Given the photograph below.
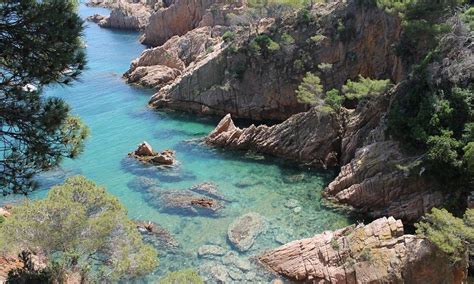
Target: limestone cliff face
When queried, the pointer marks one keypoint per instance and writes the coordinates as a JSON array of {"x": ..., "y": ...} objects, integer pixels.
[
  {"x": 375, "y": 253},
  {"x": 262, "y": 85}
]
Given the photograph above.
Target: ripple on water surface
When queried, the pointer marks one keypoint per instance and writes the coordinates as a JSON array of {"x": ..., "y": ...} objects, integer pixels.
[{"x": 286, "y": 196}]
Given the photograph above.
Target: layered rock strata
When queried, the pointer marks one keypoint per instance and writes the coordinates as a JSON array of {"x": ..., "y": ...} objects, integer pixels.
[
  {"x": 375, "y": 253},
  {"x": 261, "y": 85}
]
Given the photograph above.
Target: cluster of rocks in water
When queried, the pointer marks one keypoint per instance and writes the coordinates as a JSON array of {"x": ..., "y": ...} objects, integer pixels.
[{"x": 145, "y": 153}]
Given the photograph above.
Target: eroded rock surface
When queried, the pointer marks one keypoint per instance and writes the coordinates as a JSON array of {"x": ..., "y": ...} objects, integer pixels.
[
  {"x": 377, "y": 181},
  {"x": 375, "y": 253},
  {"x": 156, "y": 67},
  {"x": 126, "y": 14},
  {"x": 208, "y": 189},
  {"x": 262, "y": 86},
  {"x": 244, "y": 230},
  {"x": 183, "y": 202},
  {"x": 156, "y": 235},
  {"x": 145, "y": 153},
  {"x": 181, "y": 16}
]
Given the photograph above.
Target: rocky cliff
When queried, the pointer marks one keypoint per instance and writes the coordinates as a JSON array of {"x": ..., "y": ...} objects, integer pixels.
[
  {"x": 157, "y": 67},
  {"x": 181, "y": 16},
  {"x": 250, "y": 81},
  {"x": 375, "y": 253},
  {"x": 127, "y": 14},
  {"x": 376, "y": 178}
]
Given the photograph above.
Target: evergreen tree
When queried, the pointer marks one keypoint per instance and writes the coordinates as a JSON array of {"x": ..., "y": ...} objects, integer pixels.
[
  {"x": 81, "y": 228},
  {"x": 39, "y": 44}
]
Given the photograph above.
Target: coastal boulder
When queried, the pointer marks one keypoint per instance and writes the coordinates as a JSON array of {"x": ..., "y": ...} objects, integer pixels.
[
  {"x": 244, "y": 230},
  {"x": 145, "y": 153},
  {"x": 375, "y": 253}
]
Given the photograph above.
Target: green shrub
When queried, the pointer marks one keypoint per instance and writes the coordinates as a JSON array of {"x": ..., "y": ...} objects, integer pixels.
[
  {"x": 310, "y": 90},
  {"x": 317, "y": 38},
  {"x": 333, "y": 99},
  {"x": 228, "y": 36},
  {"x": 2, "y": 219},
  {"x": 468, "y": 18},
  {"x": 83, "y": 228},
  {"x": 448, "y": 233},
  {"x": 438, "y": 122},
  {"x": 288, "y": 39},
  {"x": 186, "y": 276},
  {"x": 325, "y": 67},
  {"x": 365, "y": 88},
  {"x": 263, "y": 45},
  {"x": 304, "y": 16}
]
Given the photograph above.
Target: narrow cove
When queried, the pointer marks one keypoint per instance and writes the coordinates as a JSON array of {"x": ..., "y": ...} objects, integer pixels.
[{"x": 287, "y": 197}]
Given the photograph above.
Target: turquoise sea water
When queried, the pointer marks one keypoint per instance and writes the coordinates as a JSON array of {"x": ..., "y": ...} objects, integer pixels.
[{"x": 119, "y": 119}]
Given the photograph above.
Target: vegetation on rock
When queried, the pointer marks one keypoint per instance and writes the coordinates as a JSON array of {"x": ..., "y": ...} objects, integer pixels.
[
  {"x": 80, "y": 227},
  {"x": 450, "y": 234}
]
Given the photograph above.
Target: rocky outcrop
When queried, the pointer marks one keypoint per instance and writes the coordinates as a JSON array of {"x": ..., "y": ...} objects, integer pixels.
[
  {"x": 375, "y": 253},
  {"x": 159, "y": 66},
  {"x": 381, "y": 181},
  {"x": 260, "y": 86},
  {"x": 181, "y": 16},
  {"x": 96, "y": 18},
  {"x": 317, "y": 143},
  {"x": 244, "y": 230},
  {"x": 126, "y": 14},
  {"x": 183, "y": 202},
  {"x": 316, "y": 138},
  {"x": 145, "y": 154}
]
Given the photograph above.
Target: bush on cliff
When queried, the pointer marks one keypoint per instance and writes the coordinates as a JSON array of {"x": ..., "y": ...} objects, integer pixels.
[
  {"x": 450, "y": 234},
  {"x": 80, "y": 227},
  {"x": 365, "y": 88}
]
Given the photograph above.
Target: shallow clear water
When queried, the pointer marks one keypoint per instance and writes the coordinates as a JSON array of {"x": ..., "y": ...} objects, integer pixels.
[{"x": 119, "y": 119}]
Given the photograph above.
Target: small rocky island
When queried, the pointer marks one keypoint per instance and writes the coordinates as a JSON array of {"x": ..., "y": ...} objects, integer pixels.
[{"x": 145, "y": 153}]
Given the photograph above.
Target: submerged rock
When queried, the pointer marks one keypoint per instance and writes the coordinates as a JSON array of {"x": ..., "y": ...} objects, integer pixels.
[
  {"x": 183, "y": 202},
  {"x": 210, "y": 251},
  {"x": 244, "y": 230},
  {"x": 145, "y": 153},
  {"x": 156, "y": 235},
  {"x": 208, "y": 189},
  {"x": 374, "y": 253},
  {"x": 96, "y": 18},
  {"x": 143, "y": 183}
]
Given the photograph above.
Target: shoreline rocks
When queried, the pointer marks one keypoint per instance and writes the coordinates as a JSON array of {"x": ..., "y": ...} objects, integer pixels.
[
  {"x": 244, "y": 230},
  {"x": 145, "y": 153},
  {"x": 375, "y": 253},
  {"x": 156, "y": 235}
]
